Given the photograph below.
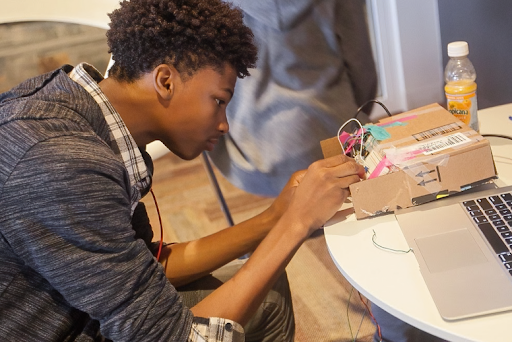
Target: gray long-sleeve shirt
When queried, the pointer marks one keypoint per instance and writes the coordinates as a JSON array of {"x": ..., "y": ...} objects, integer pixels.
[
  {"x": 315, "y": 68},
  {"x": 69, "y": 261}
]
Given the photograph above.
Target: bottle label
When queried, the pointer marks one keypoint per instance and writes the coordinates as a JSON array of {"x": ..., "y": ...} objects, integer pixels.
[{"x": 464, "y": 107}]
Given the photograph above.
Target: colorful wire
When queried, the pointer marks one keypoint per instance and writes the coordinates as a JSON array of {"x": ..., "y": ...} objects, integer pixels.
[{"x": 161, "y": 226}]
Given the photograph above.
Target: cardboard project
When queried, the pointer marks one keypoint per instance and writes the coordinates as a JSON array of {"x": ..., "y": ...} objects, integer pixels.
[{"x": 416, "y": 157}]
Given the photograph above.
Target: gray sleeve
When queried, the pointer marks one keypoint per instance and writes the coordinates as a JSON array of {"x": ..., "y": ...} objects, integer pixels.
[
  {"x": 354, "y": 35},
  {"x": 69, "y": 220}
]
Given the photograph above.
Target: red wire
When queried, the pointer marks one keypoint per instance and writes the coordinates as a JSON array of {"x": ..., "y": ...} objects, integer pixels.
[
  {"x": 161, "y": 226},
  {"x": 373, "y": 318}
]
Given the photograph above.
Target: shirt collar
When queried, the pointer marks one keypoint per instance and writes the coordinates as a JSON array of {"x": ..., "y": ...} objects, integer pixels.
[{"x": 140, "y": 179}]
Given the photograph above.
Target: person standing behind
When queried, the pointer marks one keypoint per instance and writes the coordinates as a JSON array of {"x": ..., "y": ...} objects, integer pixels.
[{"x": 315, "y": 68}]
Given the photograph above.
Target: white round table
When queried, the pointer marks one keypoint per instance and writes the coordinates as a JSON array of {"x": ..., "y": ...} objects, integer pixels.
[{"x": 393, "y": 280}]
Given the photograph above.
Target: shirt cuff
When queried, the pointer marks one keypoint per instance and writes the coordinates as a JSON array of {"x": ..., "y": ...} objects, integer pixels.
[{"x": 216, "y": 329}]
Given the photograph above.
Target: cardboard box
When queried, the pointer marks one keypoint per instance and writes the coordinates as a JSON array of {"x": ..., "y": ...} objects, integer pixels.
[{"x": 421, "y": 155}]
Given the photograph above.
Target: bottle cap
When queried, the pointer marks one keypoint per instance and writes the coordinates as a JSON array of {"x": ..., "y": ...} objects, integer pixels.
[{"x": 458, "y": 49}]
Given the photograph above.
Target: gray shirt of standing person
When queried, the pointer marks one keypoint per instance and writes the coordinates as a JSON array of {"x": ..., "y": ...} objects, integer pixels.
[{"x": 315, "y": 68}]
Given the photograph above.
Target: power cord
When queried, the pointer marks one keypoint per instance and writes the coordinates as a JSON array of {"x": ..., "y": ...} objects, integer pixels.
[
  {"x": 372, "y": 101},
  {"x": 161, "y": 243},
  {"x": 497, "y": 136}
]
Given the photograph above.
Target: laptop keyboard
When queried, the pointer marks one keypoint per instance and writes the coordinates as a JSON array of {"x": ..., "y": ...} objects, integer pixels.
[{"x": 493, "y": 216}]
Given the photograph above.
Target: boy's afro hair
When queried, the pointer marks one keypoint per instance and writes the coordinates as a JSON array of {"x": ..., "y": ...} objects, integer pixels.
[{"x": 188, "y": 34}]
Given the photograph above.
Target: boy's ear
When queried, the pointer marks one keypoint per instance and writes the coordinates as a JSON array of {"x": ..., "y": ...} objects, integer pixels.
[{"x": 164, "y": 77}]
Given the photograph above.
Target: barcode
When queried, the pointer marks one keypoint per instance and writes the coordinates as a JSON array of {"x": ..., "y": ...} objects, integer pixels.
[
  {"x": 437, "y": 131},
  {"x": 443, "y": 143}
]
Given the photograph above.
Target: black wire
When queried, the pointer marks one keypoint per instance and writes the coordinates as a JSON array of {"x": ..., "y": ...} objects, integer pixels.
[
  {"x": 372, "y": 101},
  {"x": 497, "y": 136}
]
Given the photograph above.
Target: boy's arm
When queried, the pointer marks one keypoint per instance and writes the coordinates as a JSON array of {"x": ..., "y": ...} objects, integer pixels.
[
  {"x": 239, "y": 297},
  {"x": 188, "y": 261},
  {"x": 318, "y": 195}
]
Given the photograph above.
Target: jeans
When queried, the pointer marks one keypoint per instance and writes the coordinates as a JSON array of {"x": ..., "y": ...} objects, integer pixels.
[
  {"x": 396, "y": 330},
  {"x": 273, "y": 321}
]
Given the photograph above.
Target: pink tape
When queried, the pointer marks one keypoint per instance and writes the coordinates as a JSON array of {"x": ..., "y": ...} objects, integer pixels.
[
  {"x": 406, "y": 118},
  {"x": 380, "y": 166}
]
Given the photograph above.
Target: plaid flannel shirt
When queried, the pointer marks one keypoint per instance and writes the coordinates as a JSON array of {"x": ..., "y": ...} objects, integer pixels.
[{"x": 211, "y": 329}]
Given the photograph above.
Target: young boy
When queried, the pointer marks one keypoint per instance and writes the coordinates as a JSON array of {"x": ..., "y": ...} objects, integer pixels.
[{"x": 76, "y": 263}]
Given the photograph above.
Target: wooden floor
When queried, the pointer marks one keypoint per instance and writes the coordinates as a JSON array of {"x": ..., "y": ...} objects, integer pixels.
[{"x": 326, "y": 306}]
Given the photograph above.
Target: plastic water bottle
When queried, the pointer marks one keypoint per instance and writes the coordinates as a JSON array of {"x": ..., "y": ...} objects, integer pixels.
[{"x": 460, "y": 85}]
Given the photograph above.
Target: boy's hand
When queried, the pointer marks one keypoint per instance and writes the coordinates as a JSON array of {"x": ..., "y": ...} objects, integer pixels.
[
  {"x": 321, "y": 191},
  {"x": 280, "y": 204}
]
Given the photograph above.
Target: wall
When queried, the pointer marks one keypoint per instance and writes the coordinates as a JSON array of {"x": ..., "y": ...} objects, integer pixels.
[
  {"x": 407, "y": 49},
  {"x": 30, "y": 44},
  {"x": 487, "y": 27},
  {"x": 410, "y": 39},
  {"x": 28, "y": 49},
  {"x": 420, "y": 47}
]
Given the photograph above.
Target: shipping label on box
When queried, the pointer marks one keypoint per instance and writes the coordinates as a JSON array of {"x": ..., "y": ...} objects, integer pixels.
[{"x": 416, "y": 157}]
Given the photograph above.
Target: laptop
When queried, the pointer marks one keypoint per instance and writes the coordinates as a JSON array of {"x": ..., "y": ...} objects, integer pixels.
[{"x": 463, "y": 246}]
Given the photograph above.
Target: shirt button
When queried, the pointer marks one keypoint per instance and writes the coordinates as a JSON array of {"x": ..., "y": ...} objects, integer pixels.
[{"x": 228, "y": 327}]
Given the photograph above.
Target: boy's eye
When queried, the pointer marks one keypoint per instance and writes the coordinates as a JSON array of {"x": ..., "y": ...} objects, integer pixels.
[{"x": 219, "y": 102}]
